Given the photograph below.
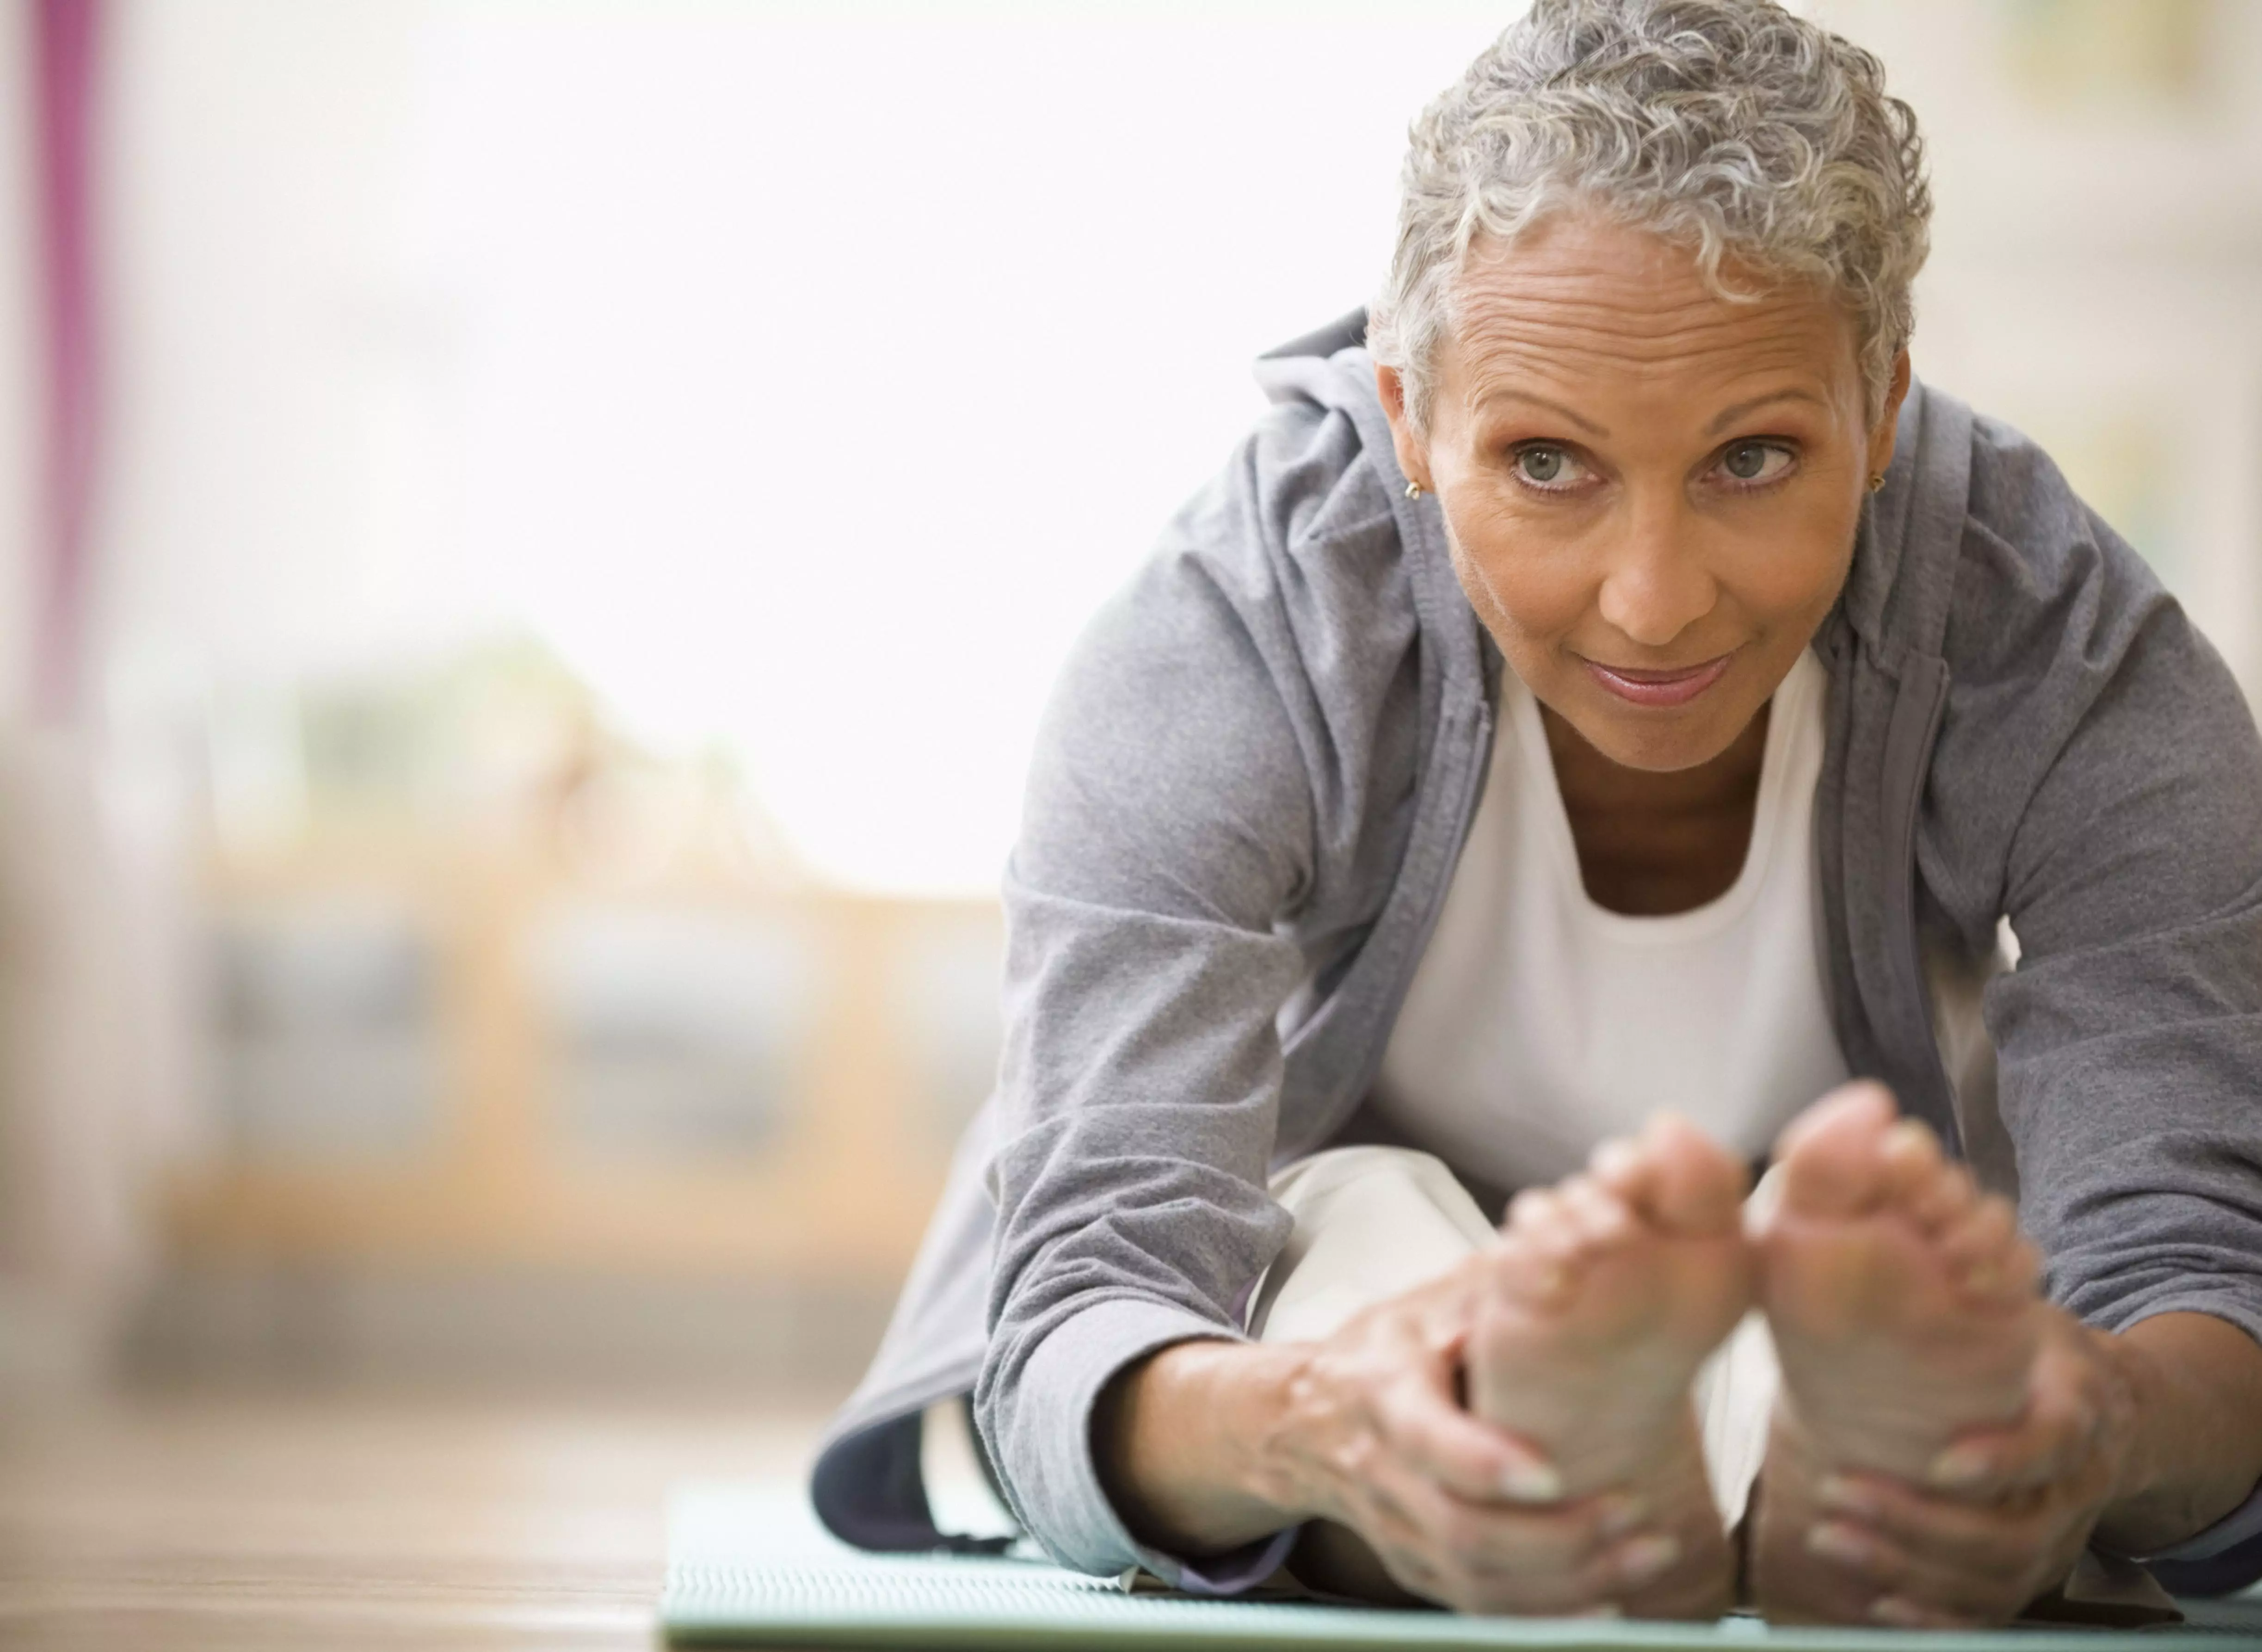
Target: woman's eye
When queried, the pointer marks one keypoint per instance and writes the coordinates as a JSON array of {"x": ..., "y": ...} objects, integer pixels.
[
  {"x": 1545, "y": 467},
  {"x": 1756, "y": 461}
]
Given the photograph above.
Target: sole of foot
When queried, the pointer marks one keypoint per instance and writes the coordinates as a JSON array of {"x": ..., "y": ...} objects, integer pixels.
[
  {"x": 1610, "y": 1290},
  {"x": 1902, "y": 1299}
]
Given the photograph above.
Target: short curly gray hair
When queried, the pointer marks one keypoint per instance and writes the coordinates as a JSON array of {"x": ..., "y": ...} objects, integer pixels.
[{"x": 1730, "y": 126}]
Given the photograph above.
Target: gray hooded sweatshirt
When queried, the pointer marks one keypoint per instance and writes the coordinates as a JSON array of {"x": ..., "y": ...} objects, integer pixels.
[{"x": 1247, "y": 800}]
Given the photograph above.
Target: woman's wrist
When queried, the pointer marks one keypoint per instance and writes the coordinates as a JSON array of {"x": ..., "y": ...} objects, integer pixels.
[
  {"x": 1192, "y": 1448},
  {"x": 2193, "y": 1423}
]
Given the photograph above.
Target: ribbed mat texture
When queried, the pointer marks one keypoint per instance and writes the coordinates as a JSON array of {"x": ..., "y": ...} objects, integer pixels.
[{"x": 747, "y": 1566}]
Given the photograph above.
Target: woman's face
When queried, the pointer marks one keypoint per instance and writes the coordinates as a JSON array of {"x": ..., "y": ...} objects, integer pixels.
[{"x": 1651, "y": 493}]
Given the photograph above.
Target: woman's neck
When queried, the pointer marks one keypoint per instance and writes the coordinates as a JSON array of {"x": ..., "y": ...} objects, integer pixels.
[{"x": 1653, "y": 844}]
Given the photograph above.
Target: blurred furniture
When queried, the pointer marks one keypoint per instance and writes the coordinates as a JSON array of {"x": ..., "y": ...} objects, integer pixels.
[
  {"x": 455, "y": 1052},
  {"x": 570, "y": 1090}
]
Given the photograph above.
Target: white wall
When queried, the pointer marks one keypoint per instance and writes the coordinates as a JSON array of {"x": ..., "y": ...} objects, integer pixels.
[{"x": 806, "y": 374}]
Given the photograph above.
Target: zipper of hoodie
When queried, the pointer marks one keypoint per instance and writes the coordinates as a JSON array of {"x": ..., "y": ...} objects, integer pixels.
[
  {"x": 1472, "y": 793},
  {"x": 1908, "y": 759}
]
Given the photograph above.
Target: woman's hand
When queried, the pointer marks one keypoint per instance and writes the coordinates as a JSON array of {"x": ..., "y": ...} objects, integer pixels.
[
  {"x": 1209, "y": 1444},
  {"x": 1374, "y": 1437},
  {"x": 2005, "y": 1515}
]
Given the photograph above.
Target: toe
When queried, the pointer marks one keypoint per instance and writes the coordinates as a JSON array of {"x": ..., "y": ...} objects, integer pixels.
[
  {"x": 1600, "y": 1217},
  {"x": 1911, "y": 1160},
  {"x": 1983, "y": 1243},
  {"x": 1833, "y": 1155},
  {"x": 1618, "y": 1163},
  {"x": 1690, "y": 1184},
  {"x": 1538, "y": 1219},
  {"x": 1946, "y": 1198}
]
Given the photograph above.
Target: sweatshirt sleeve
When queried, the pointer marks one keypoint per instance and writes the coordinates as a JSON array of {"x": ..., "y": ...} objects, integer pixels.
[
  {"x": 2130, "y": 1037},
  {"x": 1166, "y": 831}
]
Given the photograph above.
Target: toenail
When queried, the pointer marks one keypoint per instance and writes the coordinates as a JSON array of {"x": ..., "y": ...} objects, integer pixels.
[
  {"x": 1957, "y": 1466},
  {"x": 1531, "y": 1482},
  {"x": 1614, "y": 1157},
  {"x": 1645, "y": 1557},
  {"x": 1908, "y": 1135},
  {"x": 1836, "y": 1542}
]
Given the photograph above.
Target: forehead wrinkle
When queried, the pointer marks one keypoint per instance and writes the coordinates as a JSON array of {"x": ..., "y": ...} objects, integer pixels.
[
  {"x": 1694, "y": 346},
  {"x": 1649, "y": 309},
  {"x": 1509, "y": 343},
  {"x": 1652, "y": 325},
  {"x": 1524, "y": 363}
]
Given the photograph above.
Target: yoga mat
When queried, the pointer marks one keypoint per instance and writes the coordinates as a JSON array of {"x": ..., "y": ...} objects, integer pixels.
[{"x": 749, "y": 1566}]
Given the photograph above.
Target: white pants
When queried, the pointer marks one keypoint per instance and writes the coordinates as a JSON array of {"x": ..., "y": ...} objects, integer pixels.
[{"x": 1373, "y": 1222}]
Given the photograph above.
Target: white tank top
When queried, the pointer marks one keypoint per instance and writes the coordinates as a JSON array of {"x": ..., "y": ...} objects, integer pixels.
[{"x": 1539, "y": 1023}]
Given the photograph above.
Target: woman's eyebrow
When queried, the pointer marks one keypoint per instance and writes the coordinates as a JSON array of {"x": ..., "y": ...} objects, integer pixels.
[{"x": 1730, "y": 415}]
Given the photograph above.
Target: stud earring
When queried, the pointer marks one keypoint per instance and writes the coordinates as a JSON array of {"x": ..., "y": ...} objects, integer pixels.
[
  {"x": 1413, "y": 490},
  {"x": 1877, "y": 483}
]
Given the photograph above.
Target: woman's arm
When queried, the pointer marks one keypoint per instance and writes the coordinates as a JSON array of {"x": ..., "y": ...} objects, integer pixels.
[
  {"x": 1188, "y": 1446},
  {"x": 2195, "y": 1431},
  {"x": 1170, "y": 831}
]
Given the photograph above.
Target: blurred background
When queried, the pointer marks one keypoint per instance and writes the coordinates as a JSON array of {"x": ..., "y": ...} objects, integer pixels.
[{"x": 533, "y": 537}]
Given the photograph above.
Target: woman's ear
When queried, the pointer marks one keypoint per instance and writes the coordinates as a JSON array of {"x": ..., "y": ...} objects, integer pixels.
[
  {"x": 1889, "y": 418},
  {"x": 1413, "y": 454}
]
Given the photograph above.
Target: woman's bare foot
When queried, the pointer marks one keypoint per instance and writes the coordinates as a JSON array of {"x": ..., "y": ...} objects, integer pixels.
[
  {"x": 1904, "y": 1310},
  {"x": 1612, "y": 1287},
  {"x": 1902, "y": 1299}
]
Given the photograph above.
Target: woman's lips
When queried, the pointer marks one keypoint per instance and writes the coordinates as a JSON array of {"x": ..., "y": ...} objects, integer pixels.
[{"x": 1658, "y": 688}]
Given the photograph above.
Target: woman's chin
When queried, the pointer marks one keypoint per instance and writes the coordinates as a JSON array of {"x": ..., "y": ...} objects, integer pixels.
[{"x": 1658, "y": 740}]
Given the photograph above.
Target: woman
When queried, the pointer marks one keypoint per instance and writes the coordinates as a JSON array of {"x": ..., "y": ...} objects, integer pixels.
[{"x": 1606, "y": 686}]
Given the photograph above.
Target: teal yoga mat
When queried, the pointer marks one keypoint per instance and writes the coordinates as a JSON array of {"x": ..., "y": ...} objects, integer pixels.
[{"x": 748, "y": 1566}]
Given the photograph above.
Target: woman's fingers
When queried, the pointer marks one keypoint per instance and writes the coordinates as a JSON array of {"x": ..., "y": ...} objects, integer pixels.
[
  {"x": 1423, "y": 1421},
  {"x": 1989, "y": 1537},
  {"x": 1947, "y": 1554},
  {"x": 2067, "y": 1417},
  {"x": 1936, "y": 1595},
  {"x": 1488, "y": 1555},
  {"x": 1502, "y": 1558}
]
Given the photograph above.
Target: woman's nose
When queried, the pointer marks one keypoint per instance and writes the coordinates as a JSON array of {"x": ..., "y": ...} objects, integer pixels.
[{"x": 1656, "y": 584}]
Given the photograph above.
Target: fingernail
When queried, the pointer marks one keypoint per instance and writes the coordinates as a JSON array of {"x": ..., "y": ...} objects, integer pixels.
[
  {"x": 1531, "y": 1482},
  {"x": 1957, "y": 1466},
  {"x": 1620, "y": 1514},
  {"x": 1847, "y": 1497},
  {"x": 1897, "y": 1612},
  {"x": 1832, "y": 1542},
  {"x": 1645, "y": 1557}
]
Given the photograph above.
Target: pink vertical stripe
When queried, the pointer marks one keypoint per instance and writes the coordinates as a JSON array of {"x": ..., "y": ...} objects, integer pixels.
[{"x": 63, "y": 64}]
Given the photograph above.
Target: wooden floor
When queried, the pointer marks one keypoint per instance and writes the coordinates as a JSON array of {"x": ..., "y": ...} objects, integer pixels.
[{"x": 272, "y": 1522}]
